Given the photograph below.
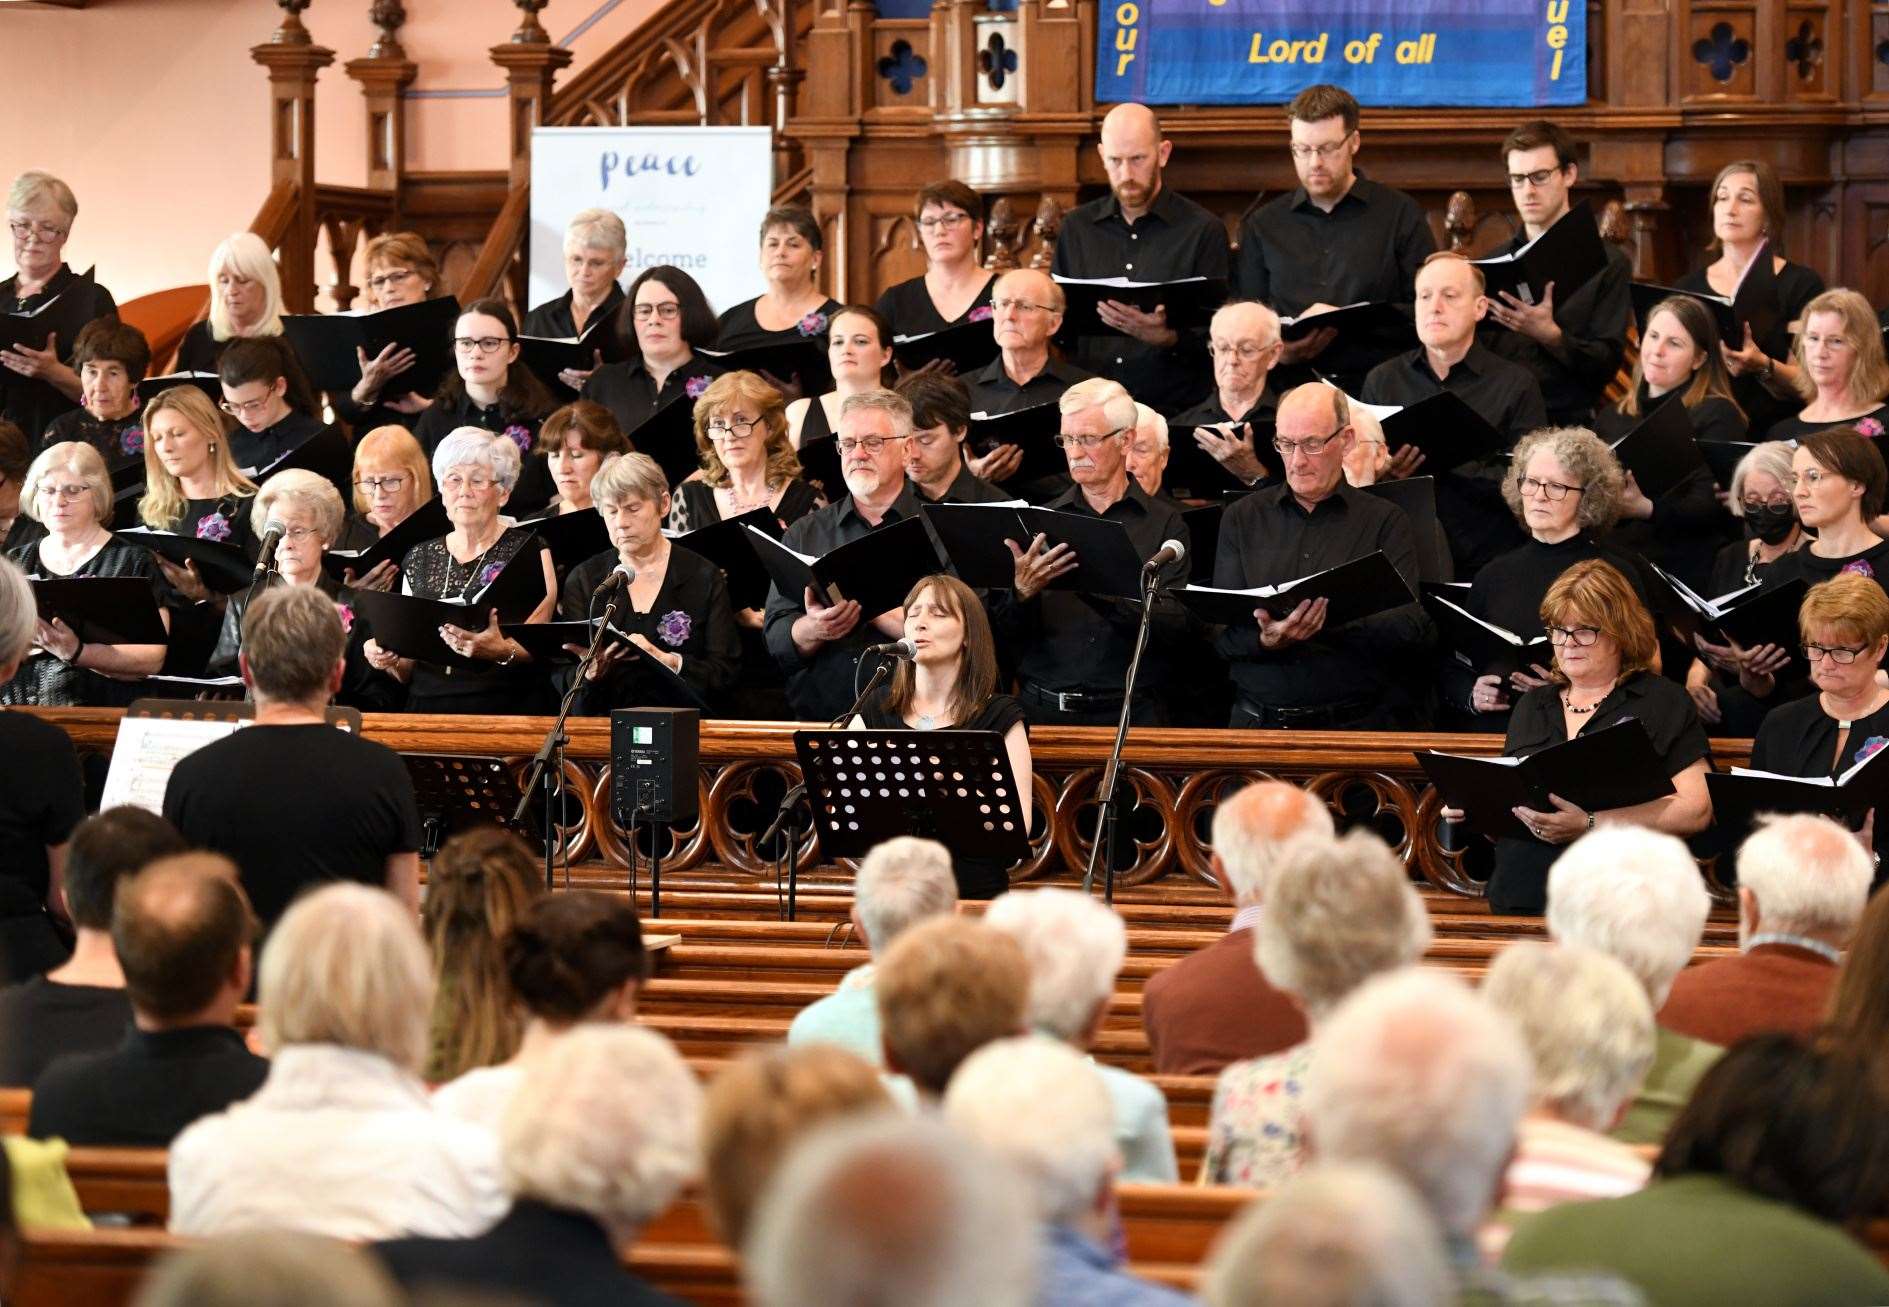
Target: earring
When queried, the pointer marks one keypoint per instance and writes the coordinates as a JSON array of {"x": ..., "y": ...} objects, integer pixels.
[{"x": 213, "y": 446}]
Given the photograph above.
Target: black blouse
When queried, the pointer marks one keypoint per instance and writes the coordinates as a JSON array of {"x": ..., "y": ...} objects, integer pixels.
[
  {"x": 200, "y": 351},
  {"x": 1796, "y": 286},
  {"x": 49, "y": 682},
  {"x": 117, "y": 440},
  {"x": 28, "y": 402},
  {"x": 362, "y": 686},
  {"x": 225, "y": 518},
  {"x": 693, "y": 505},
  {"x": 1800, "y": 739},
  {"x": 690, "y": 616},
  {"x": 738, "y": 328},
  {"x": 632, "y": 395},
  {"x": 554, "y": 318},
  {"x": 910, "y": 309},
  {"x": 1814, "y": 568},
  {"x": 1871, "y": 424}
]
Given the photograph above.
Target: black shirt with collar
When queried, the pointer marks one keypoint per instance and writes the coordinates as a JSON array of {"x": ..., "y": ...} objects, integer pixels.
[
  {"x": 28, "y": 402},
  {"x": 1210, "y": 411},
  {"x": 318, "y": 447},
  {"x": 1293, "y": 254},
  {"x": 632, "y": 395},
  {"x": 1176, "y": 238},
  {"x": 1268, "y": 537},
  {"x": 555, "y": 319},
  {"x": 993, "y": 391},
  {"x": 1593, "y": 321},
  {"x": 965, "y": 488},
  {"x": 820, "y": 688},
  {"x": 144, "y": 1092},
  {"x": 1800, "y": 739}
]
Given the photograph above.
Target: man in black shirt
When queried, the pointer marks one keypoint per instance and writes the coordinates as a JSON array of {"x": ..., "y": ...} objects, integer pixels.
[
  {"x": 1338, "y": 238},
  {"x": 1144, "y": 231},
  {"x": 182, "y": 929},
  {"x": 819, "y": 646},
  {"x": 1243, "y": 341},
  {"x": 254, "y": 373},
  {"x": 1074, "y": 648},
  {"x": 293, "y": 801},
  {"x": 1290, "y": 671},
  {"x": 1026, "y": 310},
  {"x": 934, "y": 456},
  {"x": 1574, "y": 337},
  {"x": 1450, "y": 303}
]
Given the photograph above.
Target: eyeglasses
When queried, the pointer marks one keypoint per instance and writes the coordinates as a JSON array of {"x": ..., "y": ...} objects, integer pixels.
[
  {"x": 452, "y": 481},
  {"x": 245, "y": 407},
  {"x": 1552, "y": 491},
  {"x": 1579, "y": 636},
  {"x": 1087, "y": 442},
  {"x": 392, "y": 277},
  {"x": 1840, "y": 654},
  {"x": 667, "y": 312},
  {"x": 1311, "y": 445},
  {"x": 483, "y": 344},
  {"x": 49, "y": 491},
  {"x": 1246, "y": 351},
  {"x": 1539, "y": 177},
  {"x": 722, "y": 428},
  {"x": 1813, "y": 476},
  {"x": 871, "y": 444},
  {"x": 1329, "y": 150},
  {"x": 298, "y": 533},
  {"x": 1019, "y": 306},
  {"x": 943, "y": 222},
  {"x": 1760, "y": 505},
  {"x": 375, "y": 485},
  {"x": 46, "y": 231}
]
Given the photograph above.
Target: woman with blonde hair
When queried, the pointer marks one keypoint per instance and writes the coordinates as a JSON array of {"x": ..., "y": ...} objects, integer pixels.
[
  {"x": 192, "y": 485},
  {"x": 1841, "y": 371},
  {"x": 245, "y": 300},
  {"x": 748, "y": 461},
  {"x": 478, "y": 888}
]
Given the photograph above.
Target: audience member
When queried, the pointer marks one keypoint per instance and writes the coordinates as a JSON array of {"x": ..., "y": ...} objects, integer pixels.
[
  {"x": 903, "y": 881},
  {"x": 1043, "y": 1110},
  {"x": 1635, "y": 895},
  {"x": 38, "y": 384},
  {"x": 946, "y": 988},
  {"x": 1337, "y": 913},
  {"x": 601, "y": 1135},
  {"x": 340, "y": 1140},
  {"x": 269, "y": 1268},
  {"x": 80, "y": 1006},
  {"x": 478, "y": 889},
  {"x": 1074, "y": 947},
  {"x": 182, "y": 930}
]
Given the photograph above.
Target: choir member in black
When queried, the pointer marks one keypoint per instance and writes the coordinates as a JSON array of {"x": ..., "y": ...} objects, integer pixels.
[
  {"x": 1685, "y": 527},
  {"x": 1339, "y": 238},
  {"x": 1146, "y": 453},
  {"x": 1243, "y": 342},
  {"x": 676, "y": 609},
  {"x": 1841, "y": 371},
  {"x": 1564, "y": 486},
  {"x": 37, "y": 385},
  {"x": 192, "y": 485},
  {"x": 391, "y": 480},
  {"x": 69, "y": 492},
  {"x": 15, "y": 526},
  {"x": 1026, "y": 310},
  {"x": 1288, "y": 669},
  {"x": 951, "y": 684},
  {"x": 1844, "y": 623},
  {"x": 309, "y": 510},
  {"x": 1604, "y": 646},
  {"x": 492, "y": 390},
  {"x": 1747, "y": 215},
  {"x": 255, "y": 378},
  {"x": 245, "y": 300},
  {"x": 595, "y": 249},
  {"x": 793, "y": 307},
  {"x": 934, "y": 456},
  {"x": 1450, "y": 303},
  {"x": 819, "y": 646},
  {"x": 575, "y": 442},
  {"x": 112, "y": 358},
  {"x": 859, "y": 351},
  {"x": 1572, "y": 337},
  {"x": 661, "y": 325},
  {"x": 1073, "y": 649},
  {"x": 955, "y": 288},
  {"x": 476, "y": 471},
  {"x": 401, "y": 270},
  {"x": 1142, "y": 230}
]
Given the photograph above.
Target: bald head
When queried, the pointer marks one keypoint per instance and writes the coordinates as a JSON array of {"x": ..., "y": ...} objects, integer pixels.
[
  {"x": 182, "y": 929},
  {"x": 1254, "y": 827},
  {"x": 1133, "y": 154},
  {"x": 1131, "y": 125},
  {"x": 1802, "y": 875}
]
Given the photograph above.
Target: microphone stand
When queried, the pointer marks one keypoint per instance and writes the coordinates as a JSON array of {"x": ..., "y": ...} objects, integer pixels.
[{"x": 1105, "y": 819}]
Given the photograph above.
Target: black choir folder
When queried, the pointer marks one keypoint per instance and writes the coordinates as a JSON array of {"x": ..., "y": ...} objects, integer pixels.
[
  {"x": 550, "y": 643},
  {"x": 1660, "y": 450},
  {"x": 1193, "y": 473},
  {"x": 725, "y": 544},
  {"x": 1447, "y": 430},
  {"x": 1366, "y": 323},
  {"x": 1032, "y": 430},
  {"x": 1612, "y": 768},
  {"x": 224, "y": 566},
  {"x": 803, "y": 359},
  {"x": 1480, "y": 645},
  {"x": 1723, "y": 457},
  {"x": 1569, "y": 254},
  {"x": 572, "y": 538},
  {"x": 977, "y": 538},
  {"x": 409, "y": 626},
  {"x": 326, "y": 344},
  {"x": 1746, "y": 617},
  {"x": 1190, "y": 301},
  {"x": 668, "y": 436},
  {"x": 966, "y": 347},
  {"x": 1741, "y": 794},
  {"x": 1755, "y": 303},
  {"x": 102, "y": 609},
  {"x": 879, "y": 569},
  {"x": 1360, "y": 588},
  {"x": 547, "y": 356},
  {"x": 63, "y": 315},
  {"x": 427, "y": 522}
]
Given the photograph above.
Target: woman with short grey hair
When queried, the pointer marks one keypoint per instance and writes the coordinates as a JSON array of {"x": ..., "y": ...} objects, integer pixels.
[
  {"x": 596, "y": 246},
  {"x": 41, "y": 382}
]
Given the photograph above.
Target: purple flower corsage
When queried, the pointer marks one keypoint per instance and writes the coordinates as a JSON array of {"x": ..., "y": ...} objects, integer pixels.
[
  {"x": 695, "y": 386},
  {"x": 1861, "y": 567},
  {"x": 1869, "y": 426},
  {"x": 814, "y": 324},
  {"x": 131, "y": 440},
  {"x": 214, "y": 527},
  {"x": 673, "y": 628},
  {"x": 346, "y": 614},
  {"x": 519, "y": 435},
  {"x": 1870, "y": 746},
  {"x": 489, "y": 574},
  {"x": 981, "y": 313}
]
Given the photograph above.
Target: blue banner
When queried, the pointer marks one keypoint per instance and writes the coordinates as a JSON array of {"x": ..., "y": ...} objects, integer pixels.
[{"x": 1508, "y": 53}]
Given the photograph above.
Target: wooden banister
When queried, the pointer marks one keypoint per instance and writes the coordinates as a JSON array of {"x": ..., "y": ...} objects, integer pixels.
[{"x": 503, "y": 245}]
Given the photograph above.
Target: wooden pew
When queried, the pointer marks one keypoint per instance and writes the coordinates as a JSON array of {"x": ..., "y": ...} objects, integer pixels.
[{"x": 122, "y": 1181}]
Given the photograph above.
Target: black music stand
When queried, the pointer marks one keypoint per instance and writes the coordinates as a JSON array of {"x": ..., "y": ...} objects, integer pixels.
[
  {"x": 457, "y": 792},
  {"x": 955, "y": 787}
]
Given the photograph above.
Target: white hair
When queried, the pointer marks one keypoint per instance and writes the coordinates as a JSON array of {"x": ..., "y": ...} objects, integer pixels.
[
  {"x": 1268, "y": 320},
  {"x": 19, "y": 613},
  {"x": 481, "y": 448},
  {"x": 1338, "y": 913},
  {"x": 1417, "y": 1074},
  {"x": 1809, "y": 875},
  {"x": 297, "y": 487},
  {"x": 1633, "y": 894},
  {"x": 1773, "y": 456},
  {"x": 596, "y": 229},
  {"x": 249, "y": 257},
  {"x": 891, "y": 1211},
  {"x": 608, "y": 1121},
  {"x": 1332, "y": 1236},
  {"x": 1146, "y": 419},
  {"x": 1117, "y": 405},
  {"x": 1253, "y": 828},
  {"x": 1587, "y": 1024},
  {"x": 1043, "y": 1108},
  {"x": 902, "y": 882},
  {"x": 1074, "y": 946},
  {"x": 880, "y": 400}
]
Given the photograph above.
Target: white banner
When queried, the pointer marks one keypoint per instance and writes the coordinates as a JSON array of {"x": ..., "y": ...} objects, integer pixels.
[{"x": 691, "y": 197}]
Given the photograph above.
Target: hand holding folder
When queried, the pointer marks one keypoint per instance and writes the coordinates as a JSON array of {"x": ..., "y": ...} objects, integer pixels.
[
  {"x": 1189, "y": 301},
  {"x": 1359, "y": 588},
  {"x": 331, "y": 345},
  {"x": 1740, "y": 795},
  {"x": 102, "y": 609},
  {"x": 1612, "y": 768},
  {"x": 878, "y": 570}
]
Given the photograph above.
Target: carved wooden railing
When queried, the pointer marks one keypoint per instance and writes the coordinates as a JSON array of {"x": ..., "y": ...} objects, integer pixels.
[
  {"x": 500, "y": 267},
  {"x": 1176, "y": 779},
  {"x": 350, "y": 216}
]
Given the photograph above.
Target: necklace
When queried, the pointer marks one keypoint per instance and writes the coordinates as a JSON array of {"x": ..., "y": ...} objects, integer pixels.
[
  {"x": 926, "y": 722},
  {"x": 740, "y": 505},
  {"x": 1567, "y": 700}
]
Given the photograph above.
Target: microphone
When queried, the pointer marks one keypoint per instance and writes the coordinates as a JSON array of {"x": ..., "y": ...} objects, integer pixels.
[
  {"x": 621, "y": 574},
  {"x": 272, "y": 533},
  {"x": 1171, "y": 551},
  {"x": 903, "y": 650}
]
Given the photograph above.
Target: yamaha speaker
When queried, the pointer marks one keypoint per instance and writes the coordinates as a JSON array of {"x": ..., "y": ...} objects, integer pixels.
[{"x": 655, "y": 765}]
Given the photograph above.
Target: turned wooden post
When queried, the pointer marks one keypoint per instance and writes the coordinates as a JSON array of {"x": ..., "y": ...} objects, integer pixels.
[
  {"x": 531, "y": 63},
  {"x": 294, "y": 61}
]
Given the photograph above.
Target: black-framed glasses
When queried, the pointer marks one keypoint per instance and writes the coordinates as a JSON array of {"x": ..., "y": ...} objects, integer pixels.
[
  {"x": 723, "y": 428},
  {"x": 1539, "y": 177},
  {"x": 1552, "y": 491},
  {"x": 483, "y": 344},
  {"x": 871, "y": 444},
  {"x": 1840, "y": 654},
  {"x": 1086, "y": 442},
  {"x": 1310, "y": 446},
  {"x": 1579, "y": 636},
  {"x": 667, "y": 312},
  {"x": 375, "y": 485},
  {"x": 391, "y": 277}
]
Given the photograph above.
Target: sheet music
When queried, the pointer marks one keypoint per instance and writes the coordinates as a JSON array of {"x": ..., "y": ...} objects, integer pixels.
[{"x": 148, "y": 749}]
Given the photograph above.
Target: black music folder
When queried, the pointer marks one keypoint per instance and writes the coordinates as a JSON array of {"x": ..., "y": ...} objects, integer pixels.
[
  {"x": 1368, "y": 332},
  {"x": 1190, "y": 301},
  {"x": 1740, "y": 795},
  {"x": 1477, "y": 644},
  {"x": 1032, "y": 430},
  {"x": 1569, "y": 254},
  {"x": 102, "y": 609},
  {"x": 127, "y": 479},
  {"x": 1723, "y": 457},
  {"x": 799, "y": 362},
  {"x": 879, "y": 569},
  {"x": 725, "y": 544},
  {"x": 820, "y": 464},
  {"x": 668, "y": 436},
  {"x": 65, "y": 315},
  {"x": 967, "y": 347},
  {"x": 427, "y": 522},
  {"x": 409, "y": 626},
  {"x": 1611, "y": 768},
  {"x": 326, "y": 344},
  {"x": 1416, "y": 497},
  {"x": 1360, "y": 588},
  {"x": 1755, "y": 304},
  {"x": 1748, "y": 617},
  {"x": 571, "y": 537},
  {"x": 208, "y": 382},
  {"x": 976, "y": 538},
  {"x": 547, "y": 356},
  {"x": 1193, "y": 473},
  {"x": 224, "y": 567},
  {"x": 547, "y": 643},
  {"x": 1444, "y": 427},
  {"x": 1660, "y": 450},
  {"x": 1203, "y": 540}
]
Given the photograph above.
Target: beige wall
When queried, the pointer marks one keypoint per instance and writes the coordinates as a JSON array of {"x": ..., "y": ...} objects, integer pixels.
[{"x": 153, "y": 111}]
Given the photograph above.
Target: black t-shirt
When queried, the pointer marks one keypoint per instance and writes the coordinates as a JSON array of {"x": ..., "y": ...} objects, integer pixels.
[
  {"x": 1800, "y": 739},
  {"x": 1873, "y": 563},
  {"x": 1871, "y": 424},
  {"x": 42, "y": 797},
  {"x": 911, "y": 310},
  {"x": 295, "y": 806},
  {"x": 40, "y": 1020}
]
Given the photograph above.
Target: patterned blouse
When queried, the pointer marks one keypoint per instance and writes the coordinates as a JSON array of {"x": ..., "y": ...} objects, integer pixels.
[
  {"x": 1255, "y": 1135},
  {"x": 431, "y": 572},
  {"x": 50, "y": 682}
]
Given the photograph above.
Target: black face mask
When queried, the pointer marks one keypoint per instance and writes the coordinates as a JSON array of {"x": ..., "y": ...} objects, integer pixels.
[{"x": 1772, "y": 523}]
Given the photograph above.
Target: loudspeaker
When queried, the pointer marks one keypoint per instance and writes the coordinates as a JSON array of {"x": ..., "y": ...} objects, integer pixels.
[{"x": 655, "y": 765}]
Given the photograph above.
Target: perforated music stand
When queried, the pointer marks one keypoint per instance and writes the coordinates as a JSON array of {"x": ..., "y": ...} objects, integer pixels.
[
  {"x": 457, "y": 792},
  {"x": 955, "y": 787}
]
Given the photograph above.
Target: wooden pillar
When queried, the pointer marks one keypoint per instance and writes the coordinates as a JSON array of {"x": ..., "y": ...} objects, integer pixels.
[
  {"x": 531, "y": 64},
  {"x": 384, "y": 75},
  {"x": 294, "y": 61}
]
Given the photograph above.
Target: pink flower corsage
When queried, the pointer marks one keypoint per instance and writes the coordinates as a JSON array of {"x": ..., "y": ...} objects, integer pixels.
[
  {"x": 1861, "y": 567},
  {"x": 981, "y": 313},
  {"x": 346, "y": 614},
  {"x": 1870, "y": 746},
  {"x": 519, "y": 435},
  {"x": 673, "y": 628},
  {"x": 695, "y": 386},
  {"x": 1869, "y": 426},
  {"x": 814, "y": 324},
  {"x": 490, "y": 574},
  {"x": 131, "y": 440},
  {"x": 214, "y": 527}
]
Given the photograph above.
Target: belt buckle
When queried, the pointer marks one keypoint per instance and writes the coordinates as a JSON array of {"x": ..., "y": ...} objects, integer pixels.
[{"x": 1063, "y": 698}]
